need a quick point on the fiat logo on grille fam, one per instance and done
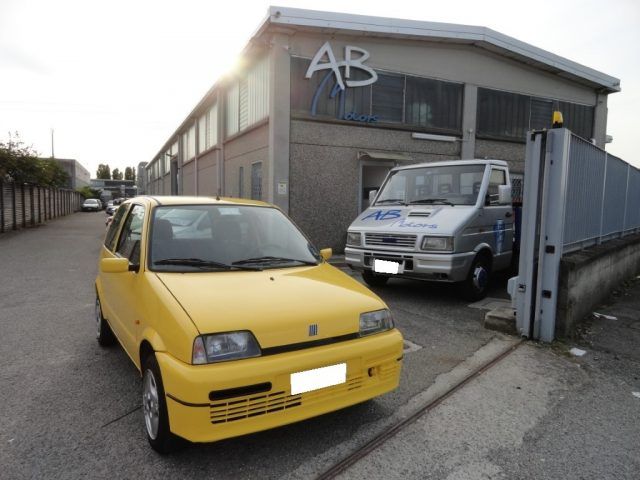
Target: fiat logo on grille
(313, 330)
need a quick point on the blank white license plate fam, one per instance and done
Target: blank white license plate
(318, 378)
(386, 266)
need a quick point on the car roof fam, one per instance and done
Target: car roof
(498, 163)
(199, 200)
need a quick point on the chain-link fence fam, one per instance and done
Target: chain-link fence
(23, 206)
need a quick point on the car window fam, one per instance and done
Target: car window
(109, 240)
(129, 242)
(498, 177)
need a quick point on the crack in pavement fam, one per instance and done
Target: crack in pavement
(122, 416)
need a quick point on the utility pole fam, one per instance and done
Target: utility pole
(52, 154)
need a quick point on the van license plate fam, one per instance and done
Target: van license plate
(386, 266)
(318, 378)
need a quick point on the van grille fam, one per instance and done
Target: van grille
(420, 214)
(241, 408)
(390, 239)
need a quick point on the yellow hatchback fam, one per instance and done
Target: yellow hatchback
(235, 321)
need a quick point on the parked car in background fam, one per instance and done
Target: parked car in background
(235, 320)
(111, 208)
(92, 204)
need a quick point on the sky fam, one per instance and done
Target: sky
(115, 79)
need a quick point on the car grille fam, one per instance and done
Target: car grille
(390, 239)
(241, 408)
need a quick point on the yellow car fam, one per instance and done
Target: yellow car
(235, 321)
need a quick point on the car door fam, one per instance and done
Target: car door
(126, 286)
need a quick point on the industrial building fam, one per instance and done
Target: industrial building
(326, 103)
(78, 175)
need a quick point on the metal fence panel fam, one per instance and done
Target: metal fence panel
(585, 190)
(614, 197)
(632, 218)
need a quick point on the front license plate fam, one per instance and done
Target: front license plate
(386, 266)
(318, 378)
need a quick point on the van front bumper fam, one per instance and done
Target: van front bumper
(373, 368)
(441, 267)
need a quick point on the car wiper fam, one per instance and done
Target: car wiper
(200, 263)
(270, 259)
(431, 200)
(391, 200)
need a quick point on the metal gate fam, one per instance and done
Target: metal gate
(575, 195)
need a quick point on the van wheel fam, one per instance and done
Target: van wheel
(475, 287)
(374, 280)
(154, 408)
(104, 334)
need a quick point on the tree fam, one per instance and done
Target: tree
(128, 173)
(116, 174)
(104, 172)
(88, 192)
(20, 163)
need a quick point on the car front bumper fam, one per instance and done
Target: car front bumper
(442, 267)
(373, 368)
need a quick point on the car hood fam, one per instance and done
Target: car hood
(277, 305)
(418, 219)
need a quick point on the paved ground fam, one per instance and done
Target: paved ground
(70, 409)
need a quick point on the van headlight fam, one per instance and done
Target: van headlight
(440, 244)
(374, 322)
(221, 347)
(354, 238)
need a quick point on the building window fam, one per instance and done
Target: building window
(416, 102)
(232, 106)
(256, 181)
(387, 98)
(241, 182)
(248, 99)
(243, 102)
(509, 116)
(212, 126)
(202, 134)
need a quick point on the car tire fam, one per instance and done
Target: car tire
(104, 334)
(154, 408)
(475, 287)
(374, 280)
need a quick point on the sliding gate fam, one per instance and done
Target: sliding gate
(575, 195)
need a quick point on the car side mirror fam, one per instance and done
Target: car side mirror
(504, 194)
(114, 265)
(326, 254)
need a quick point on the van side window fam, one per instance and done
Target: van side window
(110, 238)
(129, 243)
(498, 177)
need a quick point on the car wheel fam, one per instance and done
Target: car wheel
(475, 287)
(374, 280)
(154, 408)
(104, 334)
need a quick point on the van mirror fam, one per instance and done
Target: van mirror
(326, 253)
(372, 195)
(504, 194)
(114, 265)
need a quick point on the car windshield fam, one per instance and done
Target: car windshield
(438, 185)
(189, 238)
(91, 201)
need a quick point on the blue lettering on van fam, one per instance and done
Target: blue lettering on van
(409, 224)
(356, 117)
(383, 215)
(498, 235)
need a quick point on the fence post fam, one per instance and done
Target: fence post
(13, 204)
(604, 194)
(626, 200)
(33, 207)
(1, 205)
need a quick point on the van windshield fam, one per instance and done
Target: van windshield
(442, 185)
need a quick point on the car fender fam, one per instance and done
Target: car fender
(153, 338)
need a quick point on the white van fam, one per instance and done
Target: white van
(445, 221)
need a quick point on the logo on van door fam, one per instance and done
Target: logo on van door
(498, 235)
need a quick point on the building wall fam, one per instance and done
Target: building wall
(243, 151)
(325, 172)
(208, 173)
(511, 152)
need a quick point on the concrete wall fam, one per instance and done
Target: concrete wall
(511, 152)
(609, 263)
(242, 151)
(325, 172)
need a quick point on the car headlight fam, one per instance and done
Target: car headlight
(354, 238)
(221, 347)
(374, 322)
(441, 244)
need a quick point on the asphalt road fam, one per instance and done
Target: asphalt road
(70, 409)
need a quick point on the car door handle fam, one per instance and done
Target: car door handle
(508, 214)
